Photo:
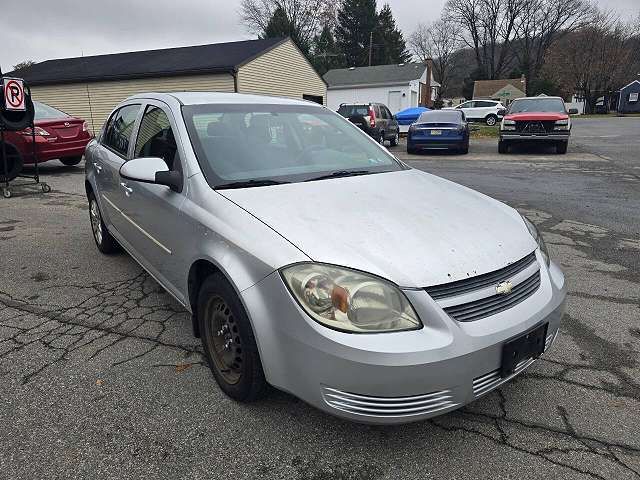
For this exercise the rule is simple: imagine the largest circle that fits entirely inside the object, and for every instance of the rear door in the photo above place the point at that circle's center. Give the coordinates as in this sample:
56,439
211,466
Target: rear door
469,109
156,225
112,152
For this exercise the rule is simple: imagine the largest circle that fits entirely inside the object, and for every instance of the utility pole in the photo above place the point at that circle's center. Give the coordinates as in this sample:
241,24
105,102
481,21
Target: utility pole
370,46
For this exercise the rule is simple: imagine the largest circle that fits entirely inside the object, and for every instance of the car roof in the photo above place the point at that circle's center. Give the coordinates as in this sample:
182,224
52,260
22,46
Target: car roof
199,98
546,97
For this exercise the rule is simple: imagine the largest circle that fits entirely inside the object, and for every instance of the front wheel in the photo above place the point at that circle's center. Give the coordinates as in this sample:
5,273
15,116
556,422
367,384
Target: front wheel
395,140
503,147
229,344
561,147
71,161
491,120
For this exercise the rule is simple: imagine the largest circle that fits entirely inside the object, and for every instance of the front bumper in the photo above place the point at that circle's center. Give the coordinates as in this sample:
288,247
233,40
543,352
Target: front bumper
393,377
526,137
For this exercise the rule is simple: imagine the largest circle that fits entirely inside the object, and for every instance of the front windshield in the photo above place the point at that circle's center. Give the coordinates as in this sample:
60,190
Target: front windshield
267,144
546,105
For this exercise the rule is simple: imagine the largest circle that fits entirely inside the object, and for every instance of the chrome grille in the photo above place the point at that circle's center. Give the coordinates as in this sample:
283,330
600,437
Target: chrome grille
388,406
491,380
480,281
485,307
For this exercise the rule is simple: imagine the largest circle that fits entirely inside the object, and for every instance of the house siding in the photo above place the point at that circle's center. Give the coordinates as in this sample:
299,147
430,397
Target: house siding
282,71
73,98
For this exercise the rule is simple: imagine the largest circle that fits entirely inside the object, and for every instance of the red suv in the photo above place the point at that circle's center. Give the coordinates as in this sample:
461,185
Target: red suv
536,119
58,135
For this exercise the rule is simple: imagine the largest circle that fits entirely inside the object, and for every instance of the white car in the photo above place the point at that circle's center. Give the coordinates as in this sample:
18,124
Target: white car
481,110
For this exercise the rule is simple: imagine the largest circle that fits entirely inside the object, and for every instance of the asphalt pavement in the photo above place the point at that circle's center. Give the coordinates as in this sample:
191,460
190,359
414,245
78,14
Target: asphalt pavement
101,378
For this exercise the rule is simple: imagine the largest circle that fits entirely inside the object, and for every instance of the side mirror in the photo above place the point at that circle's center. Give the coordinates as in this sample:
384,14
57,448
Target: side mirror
573,111
151,170
502,112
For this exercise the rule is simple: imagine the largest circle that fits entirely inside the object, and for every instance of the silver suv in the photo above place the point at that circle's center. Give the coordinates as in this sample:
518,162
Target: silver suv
315,261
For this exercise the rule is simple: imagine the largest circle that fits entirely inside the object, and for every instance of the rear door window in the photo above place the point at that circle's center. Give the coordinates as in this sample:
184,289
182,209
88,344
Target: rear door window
118,132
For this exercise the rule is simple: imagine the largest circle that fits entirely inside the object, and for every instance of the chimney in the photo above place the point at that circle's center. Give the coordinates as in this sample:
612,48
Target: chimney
425,96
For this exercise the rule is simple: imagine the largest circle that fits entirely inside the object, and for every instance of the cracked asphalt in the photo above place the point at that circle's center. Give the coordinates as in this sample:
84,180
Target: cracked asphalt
100,376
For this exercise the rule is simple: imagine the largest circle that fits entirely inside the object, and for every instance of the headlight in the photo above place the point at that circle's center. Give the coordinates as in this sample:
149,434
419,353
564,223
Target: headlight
508,124
562,125
538,238
348,300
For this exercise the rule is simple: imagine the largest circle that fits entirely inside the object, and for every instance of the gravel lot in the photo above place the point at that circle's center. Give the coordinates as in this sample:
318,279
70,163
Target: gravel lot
101,377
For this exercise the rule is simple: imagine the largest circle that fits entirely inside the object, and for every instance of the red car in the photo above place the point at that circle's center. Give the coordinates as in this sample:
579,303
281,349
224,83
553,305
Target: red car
58,136
536,119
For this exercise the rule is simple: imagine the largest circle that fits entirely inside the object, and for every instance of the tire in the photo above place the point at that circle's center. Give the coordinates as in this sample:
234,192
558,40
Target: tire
228,341
411,150
71,161
491,120
503,147
104,241
464,149
15,163
395,140
561,147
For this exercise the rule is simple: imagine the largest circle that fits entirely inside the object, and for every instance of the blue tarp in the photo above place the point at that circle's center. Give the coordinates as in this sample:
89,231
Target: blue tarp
410,115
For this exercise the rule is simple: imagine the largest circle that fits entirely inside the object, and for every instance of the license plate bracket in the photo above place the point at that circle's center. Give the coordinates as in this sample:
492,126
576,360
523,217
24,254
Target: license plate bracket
528,345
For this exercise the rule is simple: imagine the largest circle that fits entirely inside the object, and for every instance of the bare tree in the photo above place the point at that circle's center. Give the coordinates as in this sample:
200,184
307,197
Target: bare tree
594,60
488,28
539,24
306,17
438,41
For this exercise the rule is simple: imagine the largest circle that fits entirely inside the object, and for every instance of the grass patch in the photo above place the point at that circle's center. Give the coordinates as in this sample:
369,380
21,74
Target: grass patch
485,131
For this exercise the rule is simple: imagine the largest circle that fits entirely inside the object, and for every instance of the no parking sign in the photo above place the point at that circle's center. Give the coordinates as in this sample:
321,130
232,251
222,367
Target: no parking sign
13,90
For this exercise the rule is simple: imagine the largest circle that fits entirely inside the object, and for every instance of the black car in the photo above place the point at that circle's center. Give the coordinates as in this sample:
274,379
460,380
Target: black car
375,119
439,130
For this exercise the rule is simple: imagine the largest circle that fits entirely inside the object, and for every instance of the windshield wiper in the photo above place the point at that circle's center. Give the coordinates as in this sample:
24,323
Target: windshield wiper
340,173
249,183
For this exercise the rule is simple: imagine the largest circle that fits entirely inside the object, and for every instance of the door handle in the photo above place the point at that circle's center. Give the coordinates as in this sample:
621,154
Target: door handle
98,167
127,190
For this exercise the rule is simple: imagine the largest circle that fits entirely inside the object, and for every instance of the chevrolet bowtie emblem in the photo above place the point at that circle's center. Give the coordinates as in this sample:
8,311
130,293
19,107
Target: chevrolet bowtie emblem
504,288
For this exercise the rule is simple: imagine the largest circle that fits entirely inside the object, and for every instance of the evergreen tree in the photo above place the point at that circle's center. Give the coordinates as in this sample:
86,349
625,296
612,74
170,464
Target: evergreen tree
325,52
281,26
357,19
390,44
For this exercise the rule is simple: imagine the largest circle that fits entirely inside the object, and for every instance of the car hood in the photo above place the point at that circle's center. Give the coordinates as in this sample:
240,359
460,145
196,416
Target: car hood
539,116
410,227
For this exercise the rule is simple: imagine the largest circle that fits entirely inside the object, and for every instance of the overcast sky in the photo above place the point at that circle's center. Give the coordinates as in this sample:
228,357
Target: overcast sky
42,30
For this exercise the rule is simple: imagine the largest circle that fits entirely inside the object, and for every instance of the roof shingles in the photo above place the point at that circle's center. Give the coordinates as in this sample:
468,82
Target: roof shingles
217,57
375,75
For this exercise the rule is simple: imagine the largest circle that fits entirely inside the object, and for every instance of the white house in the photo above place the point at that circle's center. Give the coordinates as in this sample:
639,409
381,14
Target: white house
398,86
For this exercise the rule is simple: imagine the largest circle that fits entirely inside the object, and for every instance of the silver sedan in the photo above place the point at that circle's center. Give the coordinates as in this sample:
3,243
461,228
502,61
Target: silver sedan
314,261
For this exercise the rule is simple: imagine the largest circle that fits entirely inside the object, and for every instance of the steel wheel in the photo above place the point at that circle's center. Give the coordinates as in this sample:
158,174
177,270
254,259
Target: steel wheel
96,221
223,339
